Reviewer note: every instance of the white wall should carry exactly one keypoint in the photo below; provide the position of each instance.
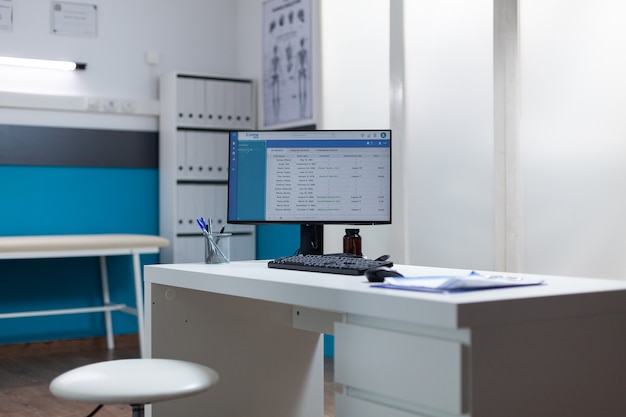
(573, 137)
(449, 132)
(249, 26)
(249, 45)
(189, 35)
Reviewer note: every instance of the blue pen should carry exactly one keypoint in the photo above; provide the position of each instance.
(200, 224)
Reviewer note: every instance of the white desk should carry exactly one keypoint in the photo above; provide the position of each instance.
(100, 245)
(553, 350)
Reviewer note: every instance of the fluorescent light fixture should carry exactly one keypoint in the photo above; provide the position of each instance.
(42, 63)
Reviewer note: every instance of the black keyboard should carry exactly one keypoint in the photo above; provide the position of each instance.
(332, 264)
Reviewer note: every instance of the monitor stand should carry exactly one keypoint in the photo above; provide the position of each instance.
(312, 239)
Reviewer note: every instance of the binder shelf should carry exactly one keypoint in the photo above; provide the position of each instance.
(197, 111)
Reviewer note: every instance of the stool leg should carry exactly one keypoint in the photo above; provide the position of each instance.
(107, 300)
(93, 413)
(137, 410)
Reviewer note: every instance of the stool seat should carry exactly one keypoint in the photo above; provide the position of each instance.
(133, 381)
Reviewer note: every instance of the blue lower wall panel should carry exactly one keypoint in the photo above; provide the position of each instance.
(65, 200)
(71, 200)
(329, 346)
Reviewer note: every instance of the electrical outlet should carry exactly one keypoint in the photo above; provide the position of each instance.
(92, 104)
(110, 105)
(129, 106)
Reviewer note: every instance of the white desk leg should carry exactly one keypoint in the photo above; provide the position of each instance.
(106, 298)
(139, 301)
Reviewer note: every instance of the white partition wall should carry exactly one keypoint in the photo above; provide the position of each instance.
(448, 73)
(573, 137)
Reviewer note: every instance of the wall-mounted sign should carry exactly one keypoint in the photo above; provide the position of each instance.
(6, 16)
(74, 19)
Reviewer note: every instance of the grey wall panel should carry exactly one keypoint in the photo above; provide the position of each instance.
(55, 146)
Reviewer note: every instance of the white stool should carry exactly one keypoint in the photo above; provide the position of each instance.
(133, 381)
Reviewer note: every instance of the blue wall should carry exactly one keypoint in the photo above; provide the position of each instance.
(274, 241)
(39, 200)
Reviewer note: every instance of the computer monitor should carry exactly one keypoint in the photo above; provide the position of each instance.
(310, 178)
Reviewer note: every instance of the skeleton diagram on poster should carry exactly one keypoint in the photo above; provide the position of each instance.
(287, 85)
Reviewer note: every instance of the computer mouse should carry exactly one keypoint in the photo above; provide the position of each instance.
(379, 274)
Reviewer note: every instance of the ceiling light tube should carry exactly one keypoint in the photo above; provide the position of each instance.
(42, 63)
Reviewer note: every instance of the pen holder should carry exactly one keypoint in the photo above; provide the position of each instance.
(217, 248)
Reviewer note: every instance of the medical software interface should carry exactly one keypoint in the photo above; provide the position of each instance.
(310, 176)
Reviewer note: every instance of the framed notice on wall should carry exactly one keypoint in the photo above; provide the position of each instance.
(74, 19)
(6, 16)
(287, 63)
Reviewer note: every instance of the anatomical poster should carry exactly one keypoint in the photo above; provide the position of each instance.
(287, 64)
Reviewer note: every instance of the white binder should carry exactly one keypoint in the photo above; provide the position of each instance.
(181, 154)
(243, 105)
(195, 155)
(220, 155)
(230, 91)
(199, 104)
(185, 102)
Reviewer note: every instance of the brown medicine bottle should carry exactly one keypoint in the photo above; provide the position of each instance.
(352, 242)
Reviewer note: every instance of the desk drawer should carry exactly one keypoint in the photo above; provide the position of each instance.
(419, 370)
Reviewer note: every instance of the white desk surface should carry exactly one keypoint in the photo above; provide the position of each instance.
(559, 297)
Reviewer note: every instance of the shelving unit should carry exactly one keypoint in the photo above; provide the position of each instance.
(197, 111)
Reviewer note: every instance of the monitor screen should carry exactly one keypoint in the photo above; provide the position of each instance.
(310, 177)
